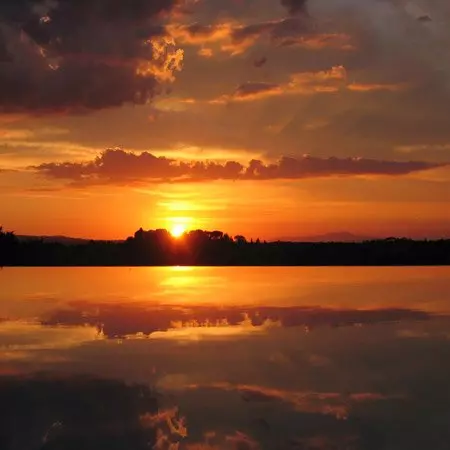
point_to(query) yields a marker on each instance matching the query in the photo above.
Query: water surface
(225, 358)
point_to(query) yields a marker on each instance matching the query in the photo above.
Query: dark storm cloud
(119, 166)
(77, 55)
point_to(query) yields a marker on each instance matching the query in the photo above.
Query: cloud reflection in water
(355, 372)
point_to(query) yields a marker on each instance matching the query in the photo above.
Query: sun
(177, 230)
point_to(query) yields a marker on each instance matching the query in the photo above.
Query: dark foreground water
(225, 358)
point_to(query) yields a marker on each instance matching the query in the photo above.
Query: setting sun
(178, 230)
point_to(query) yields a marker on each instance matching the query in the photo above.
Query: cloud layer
(119, 166)
(78, 55)
(235, 38)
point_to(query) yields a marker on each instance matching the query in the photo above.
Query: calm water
(225, 358)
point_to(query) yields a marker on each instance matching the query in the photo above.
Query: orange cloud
(206, 52)
(196, 34)
(371, 87)
(324, 81)
(169, 427)
(251, 91)
(300, 83)
(304, 83)
(234, 38)
(225, 34)
(236, 441)
(338, 41)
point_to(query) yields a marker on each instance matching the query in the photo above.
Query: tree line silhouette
(215, 248)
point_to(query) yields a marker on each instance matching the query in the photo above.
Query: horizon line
(339, 236)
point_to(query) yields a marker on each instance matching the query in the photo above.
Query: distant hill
(329, 237)
(60, 239)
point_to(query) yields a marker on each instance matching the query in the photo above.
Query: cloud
(251, 91)
(22, 336)
(241, 441)
(371, 87)
(226, 35)
(196, 33)
(295, 6)
(424, 18)
(75, 56)
(320, 41)
(119, 166)
(259, 62)
(325, 81)
(61, 408)
(176, 322)
(206, 52)
(327, 403)
(445, 147)
(293, 31)
(235, 38)
(300, 83)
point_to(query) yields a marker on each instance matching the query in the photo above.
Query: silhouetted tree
(227, 238)
(240, 239)
(7, 236)
(8, 246)
(216, 235)
(200, 247)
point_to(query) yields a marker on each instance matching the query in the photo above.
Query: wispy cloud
(327, 403)
(373, 87)
(251, 91)
(305, 83)
(235, 38)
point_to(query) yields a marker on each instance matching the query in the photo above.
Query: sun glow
(178, 229)
(177, 226)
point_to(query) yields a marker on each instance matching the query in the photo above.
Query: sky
(268, 118)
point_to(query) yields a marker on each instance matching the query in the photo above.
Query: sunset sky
(268, 118)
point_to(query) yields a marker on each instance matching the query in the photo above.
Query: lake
(225, 358)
